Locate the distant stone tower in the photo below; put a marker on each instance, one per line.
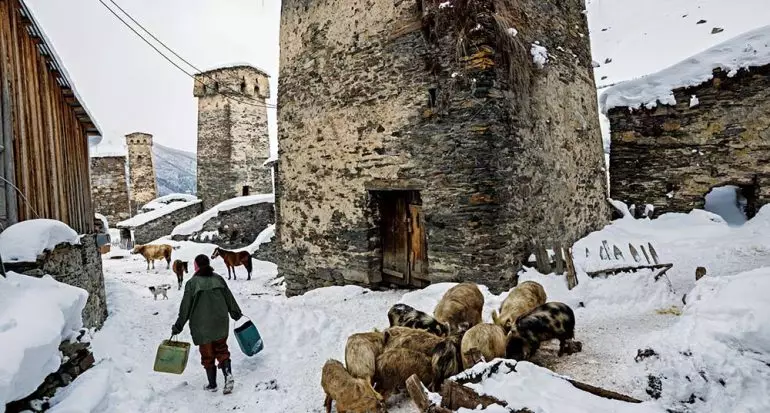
(232, 133)
(141, 170)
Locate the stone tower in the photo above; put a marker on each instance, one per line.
(232, 133)
(420, 143)
(109, 187)
(141, 170)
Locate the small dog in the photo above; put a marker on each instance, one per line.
(160, 290)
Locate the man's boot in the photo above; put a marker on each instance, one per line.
(211, 374)
(228, 373)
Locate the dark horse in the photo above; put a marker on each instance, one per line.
(233, 259)
(179, 267)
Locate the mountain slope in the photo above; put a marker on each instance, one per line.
(176, 170)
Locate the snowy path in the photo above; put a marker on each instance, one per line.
(616, 317)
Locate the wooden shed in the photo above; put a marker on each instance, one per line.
(44, 129)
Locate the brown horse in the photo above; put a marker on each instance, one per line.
(180, 268)
(233, 259)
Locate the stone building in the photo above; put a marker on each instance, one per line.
(421, 144)
(109, 187)
(232, 133)
(141, 170)
(671, 145)
(149, 226)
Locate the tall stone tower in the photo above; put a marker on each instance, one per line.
(141, 169)
(232, 133)
(109, 187)
(420, 143)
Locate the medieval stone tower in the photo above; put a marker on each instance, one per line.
(141, 170)
(232, 133)
(420, 143)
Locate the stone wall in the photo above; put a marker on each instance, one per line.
(234, 228)
(500, 150)
(109, 188)
(672, 156)
(141, 170)
(162, 226)
(77, 265)
(232, 134)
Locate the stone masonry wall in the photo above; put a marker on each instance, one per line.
(232, 133)
(77, 265)
(163, 225)
(109, 188)
(141, 167)
(500, 150)
(672, 156)
(235, 228)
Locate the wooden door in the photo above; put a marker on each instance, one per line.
(418, 248)
(395, 236)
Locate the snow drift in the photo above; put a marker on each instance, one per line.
(26, 240)
(37, 315)
(716, 358)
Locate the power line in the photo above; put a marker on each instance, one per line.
(260, 104)
(177, 55)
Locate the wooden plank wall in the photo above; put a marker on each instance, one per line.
(50, 144)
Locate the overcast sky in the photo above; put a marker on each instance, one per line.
(128, 87)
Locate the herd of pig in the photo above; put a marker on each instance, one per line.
(377, 364)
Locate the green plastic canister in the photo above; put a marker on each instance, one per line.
(172, 357)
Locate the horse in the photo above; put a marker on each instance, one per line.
(234, 259)
(180, 268)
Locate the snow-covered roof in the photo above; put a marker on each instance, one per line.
(234, 65)
(37, 315)
(196, 224)
(751, 49)
(164, 201)
(141, 219)
(108, 147)
(64, 78)
(26, 240)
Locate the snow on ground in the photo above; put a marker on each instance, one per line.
(26, 240)
(88, 393)
(141, 219)
(196, 224)
(716, 358)
(615, 317)
(265, 236)
(750, 49)
(37, 315)
(165, 200)
(553, 395)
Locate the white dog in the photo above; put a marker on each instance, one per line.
(160, 290)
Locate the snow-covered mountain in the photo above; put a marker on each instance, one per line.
(176, 170)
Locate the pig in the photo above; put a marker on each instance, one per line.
(460, 307)
(521, 300)
(351, 394)
(361, 353)
(549, 321)
(483, 340)
(396, 365)
(403, 315)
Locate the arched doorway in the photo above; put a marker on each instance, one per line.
(736, 204)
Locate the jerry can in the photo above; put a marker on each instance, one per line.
(172, 357)
(248, 338)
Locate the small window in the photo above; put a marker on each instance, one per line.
(245, 190)
(243, 86)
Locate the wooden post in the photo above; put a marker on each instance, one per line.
(653, 253)
(634, 253)
(558, 259)
(617, 253)
(541, 256)
(418, 394)
(572, 280)
(646, 257)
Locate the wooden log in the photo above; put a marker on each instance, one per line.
(419, 396)
(613, 271)
(455, 396)
(558, 259)
(572, 280)
(598, 391)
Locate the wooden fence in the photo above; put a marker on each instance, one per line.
(44, 129)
